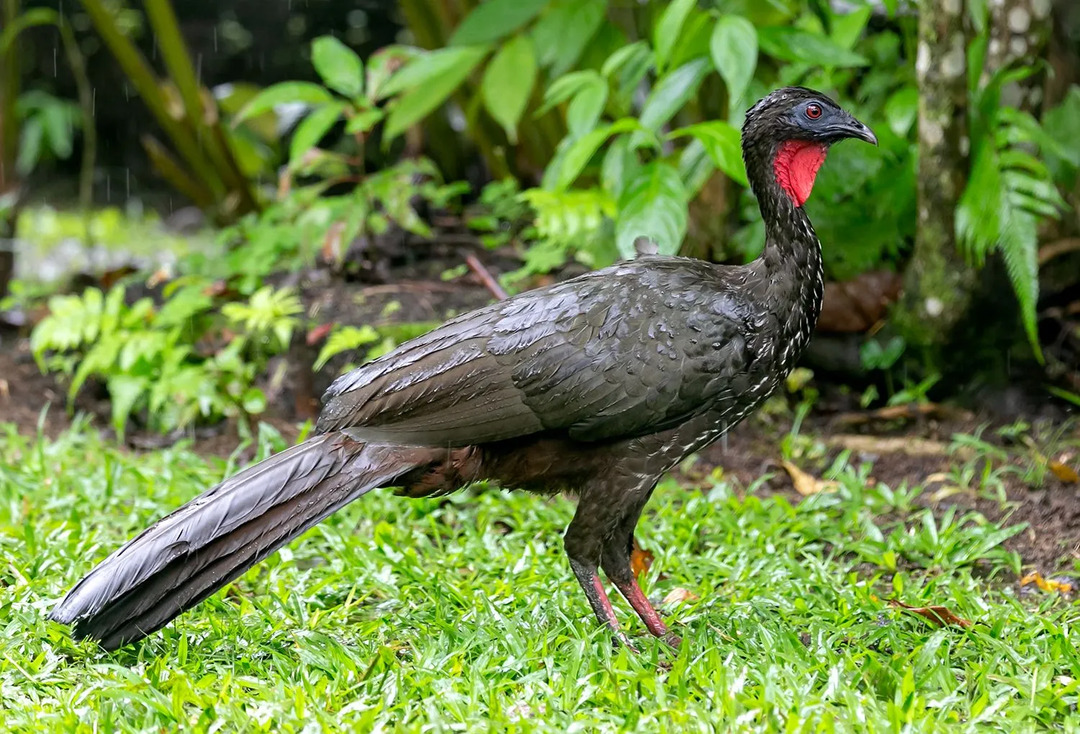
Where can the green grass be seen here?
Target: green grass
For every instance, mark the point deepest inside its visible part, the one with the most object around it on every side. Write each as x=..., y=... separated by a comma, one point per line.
x=461, y=614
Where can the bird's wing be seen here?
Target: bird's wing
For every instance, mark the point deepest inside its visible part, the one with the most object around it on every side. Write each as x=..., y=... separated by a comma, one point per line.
x=600, y=357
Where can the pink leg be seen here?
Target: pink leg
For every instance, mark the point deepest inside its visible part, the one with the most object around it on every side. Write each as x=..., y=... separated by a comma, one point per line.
x=645, y=610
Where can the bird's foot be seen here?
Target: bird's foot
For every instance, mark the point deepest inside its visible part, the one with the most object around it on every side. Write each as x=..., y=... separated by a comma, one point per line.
x=672, y=639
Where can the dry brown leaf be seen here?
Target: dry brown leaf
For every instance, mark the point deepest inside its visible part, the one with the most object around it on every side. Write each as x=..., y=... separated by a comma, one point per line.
x=906, y=411
x=806, y=484
x=319, y=333
x=641, y=560
x=678, y=595
x=1064, y=472
x=1062, y=587
x=938, y=615
x=907, y=445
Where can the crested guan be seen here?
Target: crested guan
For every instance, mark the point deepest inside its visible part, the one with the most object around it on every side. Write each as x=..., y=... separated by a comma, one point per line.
x=597, y=385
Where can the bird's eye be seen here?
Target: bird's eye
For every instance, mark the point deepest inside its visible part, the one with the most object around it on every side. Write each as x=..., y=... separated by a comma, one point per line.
x=813, y=111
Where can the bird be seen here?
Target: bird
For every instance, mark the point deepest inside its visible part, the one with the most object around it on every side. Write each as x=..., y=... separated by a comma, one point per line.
x=596, y=386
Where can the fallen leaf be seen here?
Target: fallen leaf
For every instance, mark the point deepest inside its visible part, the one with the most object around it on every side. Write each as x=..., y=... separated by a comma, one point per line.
x=678, y=595
x=938, y=615
x=319, y=333
x=1062, y=587
x=906, y=411
x=640, y=560
x=1064, y=472
x=907, y=445
x=333, y=248
x=854, y=306
x=806, y=484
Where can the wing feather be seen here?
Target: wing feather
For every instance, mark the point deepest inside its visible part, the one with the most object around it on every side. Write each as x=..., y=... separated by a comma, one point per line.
x=599, y=357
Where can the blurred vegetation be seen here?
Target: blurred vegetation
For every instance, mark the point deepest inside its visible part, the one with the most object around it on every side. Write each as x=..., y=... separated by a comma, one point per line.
x=557, y=130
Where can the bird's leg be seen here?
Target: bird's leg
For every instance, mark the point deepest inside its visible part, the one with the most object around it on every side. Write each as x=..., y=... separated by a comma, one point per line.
x=617, y=566
x=583, y=541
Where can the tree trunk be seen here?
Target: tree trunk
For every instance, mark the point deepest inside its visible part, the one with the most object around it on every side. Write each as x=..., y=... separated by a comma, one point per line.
x=938, y=283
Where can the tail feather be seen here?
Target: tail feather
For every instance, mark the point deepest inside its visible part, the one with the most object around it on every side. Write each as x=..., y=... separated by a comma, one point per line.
x=191, y=553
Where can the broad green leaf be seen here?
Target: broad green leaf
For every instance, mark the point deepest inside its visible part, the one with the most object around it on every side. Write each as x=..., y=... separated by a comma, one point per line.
x=667, y=29
x=734, y=50
x=564, y=31
x=696, y=166
x=283, y=93
x=585, y=109
x=901, y=109
x=653, y=205
x=413, y=106
x=620, y=165
x=364, y=120
x=633, y=53
x=566, y=87
x=508, y=82
x=494, y=19
x=338, y=65
x=581, y=150
x=59, y=119
x=848, y=28
x=384, y=63
x=672, y=92
x=124, y=392
x=795, y=44
x=33, y=132
x=432, y=67
x=312, y=129
x=345, y=339
x=722, y=142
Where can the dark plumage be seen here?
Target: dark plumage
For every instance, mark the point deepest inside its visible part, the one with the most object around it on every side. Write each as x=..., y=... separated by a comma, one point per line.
x=598, y=385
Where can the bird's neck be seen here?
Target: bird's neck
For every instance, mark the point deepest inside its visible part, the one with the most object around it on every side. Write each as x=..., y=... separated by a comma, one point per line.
x=790, y=266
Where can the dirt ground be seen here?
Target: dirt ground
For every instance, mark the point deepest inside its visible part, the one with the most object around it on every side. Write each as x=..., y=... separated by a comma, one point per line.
x=909, y=447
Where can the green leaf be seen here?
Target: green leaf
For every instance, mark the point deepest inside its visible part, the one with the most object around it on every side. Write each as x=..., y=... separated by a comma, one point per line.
x=797, y=45
x=253, y=401
x=384, y=64
x=312, y=129
x=734, y=50
x=847, y=28
x=282, y=93
x=722, y=142
x=654, y=205
x=344, y=339
x=364, y=120
x=413, y=106
x=696, y=166
x=59, y=120
x=585, y=109
x=582, y=149
x=620, y=164
x=508, y=82
x=430, y=67
x=33, y=132
x=494, y=19
x=566, y=87
x=632, y=54
x=672, y=92
x=124, y=392
x=667, y=28
x=338, y=65
x=564, y=31
x=901, y=109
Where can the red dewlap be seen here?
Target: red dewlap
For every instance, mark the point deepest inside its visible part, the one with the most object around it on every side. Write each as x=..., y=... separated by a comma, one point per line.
x=796, y=165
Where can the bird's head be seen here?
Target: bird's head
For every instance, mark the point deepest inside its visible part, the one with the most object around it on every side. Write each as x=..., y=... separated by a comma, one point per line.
x=787, y=134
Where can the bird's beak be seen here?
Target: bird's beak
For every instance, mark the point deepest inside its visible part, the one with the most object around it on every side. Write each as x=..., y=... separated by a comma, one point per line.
x=852, y=128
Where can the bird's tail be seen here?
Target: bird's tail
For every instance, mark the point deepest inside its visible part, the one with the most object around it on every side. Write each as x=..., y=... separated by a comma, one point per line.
x=191, y=553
